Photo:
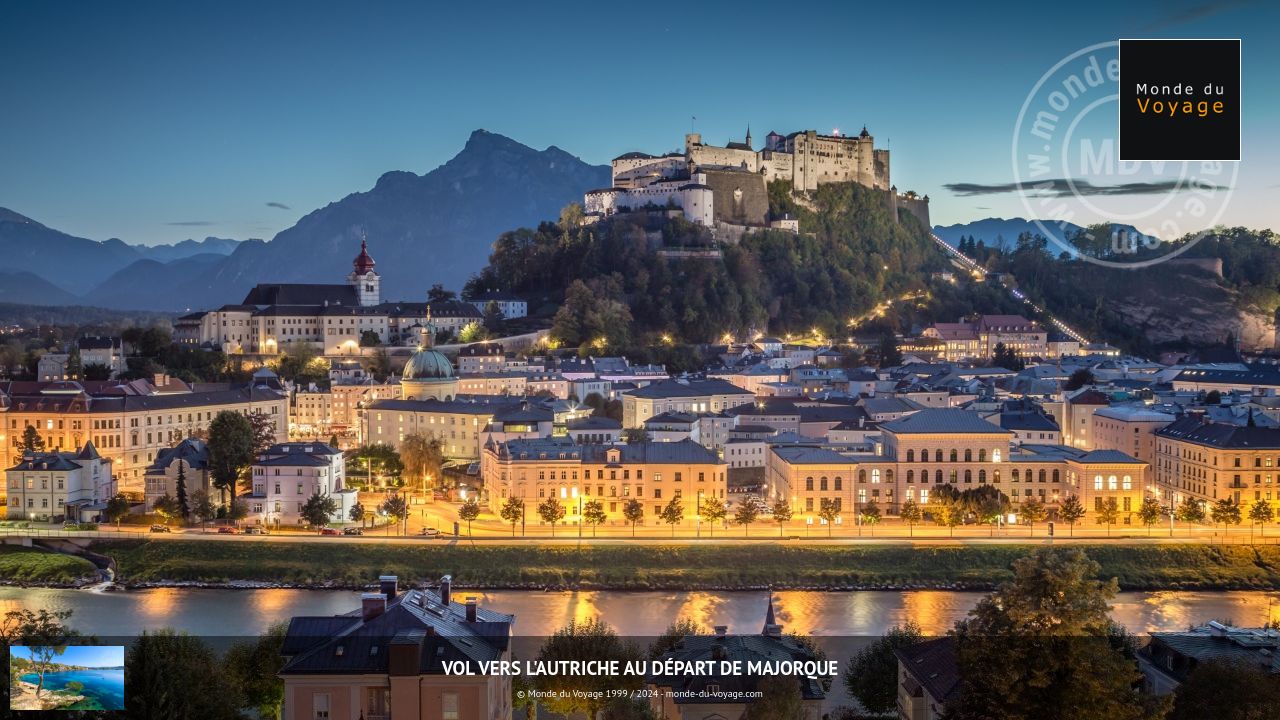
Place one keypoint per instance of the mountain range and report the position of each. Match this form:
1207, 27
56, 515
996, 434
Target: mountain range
992, 230
422, 229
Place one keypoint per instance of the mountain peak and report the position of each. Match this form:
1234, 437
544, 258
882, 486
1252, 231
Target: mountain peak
7, 215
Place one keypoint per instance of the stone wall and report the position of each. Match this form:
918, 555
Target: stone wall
741, 198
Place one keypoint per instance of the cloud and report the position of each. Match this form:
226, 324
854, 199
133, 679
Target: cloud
1196, 12
1060, 187
192, 223
280, 205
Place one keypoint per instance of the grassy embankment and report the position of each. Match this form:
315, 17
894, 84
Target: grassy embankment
25, 565
644, 567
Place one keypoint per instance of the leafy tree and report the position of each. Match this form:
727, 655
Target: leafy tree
673, 513
237, 510
318, 510
184, 509
378, 457
264, 431
423, 457
380, 364
551, 511
437, 294
1213, 397
75, 366
1150, 512
231, 448
714, 512
97, 372
1022, 649
469, 511
829, 510
252, 666
513, 512
674, 635
747, 512
397, 508
1109, 513
872, 674
780, 699
910, 514
1223, 690
1226, 512
369, 338
1190, 511
202, 506
634, 436
890, 355
781, 512
593, 514
1261, 513
356, 513
31, 441
1032, 511
1006, 357
633, 512
1079, 379
494, 322
870, 515
594, 316
117, 507
569, 694
166, 506
43, 633
1071, 512
174, 675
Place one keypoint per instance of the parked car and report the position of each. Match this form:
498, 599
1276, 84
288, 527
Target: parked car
226, 530
160, 529
329, 531
352, 531
257, 530
429, 532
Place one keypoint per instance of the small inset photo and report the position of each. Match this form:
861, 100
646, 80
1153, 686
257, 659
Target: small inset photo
66, 677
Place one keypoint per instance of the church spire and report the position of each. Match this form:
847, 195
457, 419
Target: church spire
749, 135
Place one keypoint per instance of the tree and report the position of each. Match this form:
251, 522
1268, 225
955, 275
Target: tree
202, 506
396, 507
590, 640
264, 431
1032, 511
781, 512
1042, 645
1223, 690
494, 322
437, 294
369, 338
1213, 397
422, 456
1150, 512
231, 448
237, 510
673, 513
593, 514
1071, 512
780, 699
42, 657
871, 515
43, 633
747, 512
380, 364
1190, 511
1108, 513
633, 512
872, 675
75, 366
714, 512
174, 675
673, 637
356, 513
635, 436
1006, 357
469, 511
1261, 513
184, 508
513, 512
97, 372
910, 514
166, 507
1079, 379
551, 511
318, 510
251, 666
117, 507
31, 441
1227, 512
890, 355
829, 510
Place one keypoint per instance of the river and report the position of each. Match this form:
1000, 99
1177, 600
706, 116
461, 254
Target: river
227, 613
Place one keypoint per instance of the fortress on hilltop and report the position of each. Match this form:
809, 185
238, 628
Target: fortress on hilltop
725, 188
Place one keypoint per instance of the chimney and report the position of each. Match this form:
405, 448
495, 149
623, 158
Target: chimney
372, 605
471, 609
389, 585
721, 630
446, 590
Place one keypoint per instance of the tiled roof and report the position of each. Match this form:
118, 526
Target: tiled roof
942, 420
301, 294
693, 388
933, 664
1222, 435
455, 407
1109, 456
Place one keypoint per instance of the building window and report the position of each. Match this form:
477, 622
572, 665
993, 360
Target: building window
449, 706
320, 706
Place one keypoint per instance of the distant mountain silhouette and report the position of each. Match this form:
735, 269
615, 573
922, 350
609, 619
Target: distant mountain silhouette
422, 229
26, 287
991, 230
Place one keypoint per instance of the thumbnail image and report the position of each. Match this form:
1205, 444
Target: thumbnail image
67, 677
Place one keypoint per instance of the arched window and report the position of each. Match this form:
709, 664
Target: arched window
954, 456
888, 476
951, 477
839, 484
937, 477
995, 476
911, 456
968, 455
875, 475
822, 483
1015, 474
1111, 482
1128, 483
982, 476
982, 455
862, 476
1097, 482
911, 476
968, 476
937, 455
808, 483
1041, 474
1056, 476
995, 455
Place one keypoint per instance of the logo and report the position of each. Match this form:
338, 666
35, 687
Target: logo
1088, 202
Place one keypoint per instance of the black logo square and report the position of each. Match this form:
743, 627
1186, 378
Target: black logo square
1180, 100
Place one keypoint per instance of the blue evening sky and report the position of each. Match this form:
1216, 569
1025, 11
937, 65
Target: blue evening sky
83, 655
159, 121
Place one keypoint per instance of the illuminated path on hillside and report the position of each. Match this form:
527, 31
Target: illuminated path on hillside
975, 268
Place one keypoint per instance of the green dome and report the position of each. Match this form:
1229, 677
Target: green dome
427, 364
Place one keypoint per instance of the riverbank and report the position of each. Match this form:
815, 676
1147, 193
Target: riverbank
28, 566
338, 565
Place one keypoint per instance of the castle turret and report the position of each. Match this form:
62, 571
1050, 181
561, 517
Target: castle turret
368, 284
749, 136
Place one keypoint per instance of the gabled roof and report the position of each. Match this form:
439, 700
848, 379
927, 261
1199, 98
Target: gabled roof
933, 665
1193, 429
301, 294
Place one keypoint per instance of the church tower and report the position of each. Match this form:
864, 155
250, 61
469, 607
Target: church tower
749, 145
367, 283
